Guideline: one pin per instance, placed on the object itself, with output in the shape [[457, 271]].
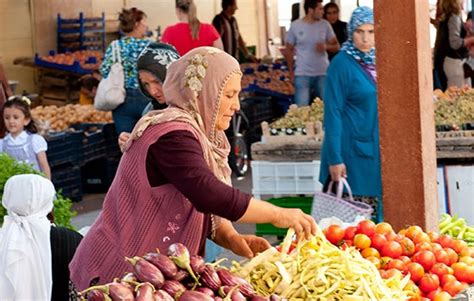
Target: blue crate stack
[[81, 34]]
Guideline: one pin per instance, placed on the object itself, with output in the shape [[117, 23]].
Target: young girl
[[22, 142]]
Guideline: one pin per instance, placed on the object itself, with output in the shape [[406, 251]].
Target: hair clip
[[22, 98]]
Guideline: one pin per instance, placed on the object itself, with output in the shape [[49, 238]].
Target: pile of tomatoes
[[439, 266]]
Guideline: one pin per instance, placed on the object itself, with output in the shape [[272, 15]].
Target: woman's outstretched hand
[[304, 224]]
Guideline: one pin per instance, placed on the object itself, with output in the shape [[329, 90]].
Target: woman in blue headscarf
[[351, 141]]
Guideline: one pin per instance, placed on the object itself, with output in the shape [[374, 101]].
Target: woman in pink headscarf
[[173, 183]]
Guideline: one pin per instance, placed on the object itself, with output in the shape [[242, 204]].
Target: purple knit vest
[[136, 218]]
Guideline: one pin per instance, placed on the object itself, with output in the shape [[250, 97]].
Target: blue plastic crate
[[64, 148], [68, 181]]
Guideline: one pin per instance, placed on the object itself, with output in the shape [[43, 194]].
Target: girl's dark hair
[[129, 17], [189, 7], [24, 107]]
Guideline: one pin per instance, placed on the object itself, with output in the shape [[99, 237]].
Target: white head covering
[[25, 249]]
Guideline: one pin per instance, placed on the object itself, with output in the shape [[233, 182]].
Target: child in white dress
[[22, 142]]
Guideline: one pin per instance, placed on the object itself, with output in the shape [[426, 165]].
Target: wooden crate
[[314, 131]]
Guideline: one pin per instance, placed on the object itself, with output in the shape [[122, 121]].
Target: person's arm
[[290, 59], [107, 62], [243, 245], [454, 30], [43, 164], [334, 99], [178, 156], [332, 46], [218, 44]]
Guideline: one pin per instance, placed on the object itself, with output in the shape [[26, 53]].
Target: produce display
[[297, 117], [315, 269], [438, 265], [457, 228], [175, 276], [54, 118], [454, 107], [88, 59], [274, 78]]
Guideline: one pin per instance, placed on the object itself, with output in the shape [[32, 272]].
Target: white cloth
[[455, 72], [25, 249], [38, 143]]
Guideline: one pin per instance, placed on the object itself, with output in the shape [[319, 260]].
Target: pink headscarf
[[192, 89]]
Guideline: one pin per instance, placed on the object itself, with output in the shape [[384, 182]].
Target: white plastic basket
[[281, 178]]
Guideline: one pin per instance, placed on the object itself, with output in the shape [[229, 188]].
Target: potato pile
[[454, 107], [54, 118], [81, 56], [297, 117], [276, 80]]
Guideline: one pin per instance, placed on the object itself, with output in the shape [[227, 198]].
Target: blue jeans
[[307, 88], [127, 114]]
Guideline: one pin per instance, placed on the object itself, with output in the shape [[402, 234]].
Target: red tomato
[[445, 241], [453, 287], [396, 264], [433, 293], [440, 269], [423, 246], [413, 231], [383, 228], [442, 256], [335, 234], [390, 236], [393, 273], [461, 271], [406, 260], [421, 237], [433, 235], [416, 271], [453, 256], [375, 261], [436, 246], [447, 278], [366, 227], [428, 283], [392, 249], [361, 241], [378, 241], [425, 258], [408, 247], [459, 245], [384, 261], [442, 296], [350, 232], [469, 251], [370, 252]]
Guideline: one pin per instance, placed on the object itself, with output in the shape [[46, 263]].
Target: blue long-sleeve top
[[351, 126]]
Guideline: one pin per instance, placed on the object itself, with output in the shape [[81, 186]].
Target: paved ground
[[88, 210]]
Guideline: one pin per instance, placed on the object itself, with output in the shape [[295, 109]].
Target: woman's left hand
[[247, 245]]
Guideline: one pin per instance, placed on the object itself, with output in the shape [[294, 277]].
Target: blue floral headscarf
[[361, 15]]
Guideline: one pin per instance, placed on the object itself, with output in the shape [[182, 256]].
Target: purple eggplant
[[120, 292], [231, 293], [145, 292], [166, 265], [227, 278], [194, 296], [197, 264], [173, 287], [147, 272], [259, 298], [180, 275], [161, 295], [97, 295], [205, 290], [180, 256], [210, 278], [129, 277]]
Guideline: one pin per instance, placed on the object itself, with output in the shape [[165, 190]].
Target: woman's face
[[229, 102], [332, 15], [152, 85], [141, 27], [363, 37]]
